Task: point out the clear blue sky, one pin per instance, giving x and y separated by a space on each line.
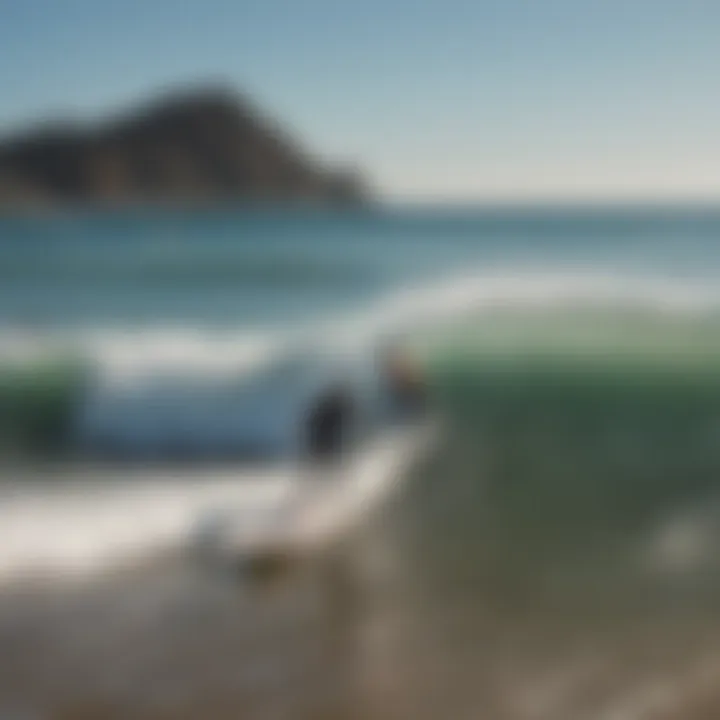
441 99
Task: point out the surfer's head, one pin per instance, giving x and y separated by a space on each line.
398 366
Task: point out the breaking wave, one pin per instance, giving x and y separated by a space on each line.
498 346
566 314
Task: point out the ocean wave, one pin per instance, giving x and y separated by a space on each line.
514 320
522 304
530 289
598 395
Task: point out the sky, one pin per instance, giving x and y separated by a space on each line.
457 100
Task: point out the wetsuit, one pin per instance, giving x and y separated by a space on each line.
328 425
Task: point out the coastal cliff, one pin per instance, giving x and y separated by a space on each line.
204 145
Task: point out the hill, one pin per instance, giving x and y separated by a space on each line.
202 145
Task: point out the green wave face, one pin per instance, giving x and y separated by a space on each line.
37 403
576 431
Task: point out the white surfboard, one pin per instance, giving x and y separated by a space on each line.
322 504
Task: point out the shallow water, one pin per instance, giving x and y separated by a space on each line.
551 560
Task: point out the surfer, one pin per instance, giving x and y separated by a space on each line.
329 424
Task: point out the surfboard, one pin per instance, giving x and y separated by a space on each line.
323 504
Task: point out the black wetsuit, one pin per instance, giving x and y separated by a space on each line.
328 425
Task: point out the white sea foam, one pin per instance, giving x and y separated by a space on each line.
129 350
572 289
52 527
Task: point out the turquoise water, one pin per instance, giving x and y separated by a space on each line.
253 268
579 349
514 291
556 558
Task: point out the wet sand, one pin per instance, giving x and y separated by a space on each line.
423 615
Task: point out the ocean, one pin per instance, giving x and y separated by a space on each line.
555 558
